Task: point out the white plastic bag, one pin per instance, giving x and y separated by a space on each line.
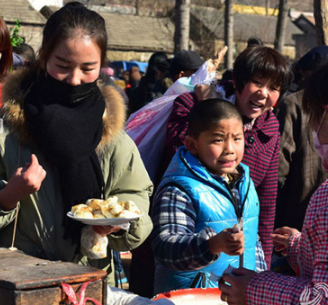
93 245
186 84
116 296
147 126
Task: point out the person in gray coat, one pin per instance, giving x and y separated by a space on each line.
300 170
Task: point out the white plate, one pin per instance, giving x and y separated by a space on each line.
103 221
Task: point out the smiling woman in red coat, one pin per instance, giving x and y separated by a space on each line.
261 76
307 252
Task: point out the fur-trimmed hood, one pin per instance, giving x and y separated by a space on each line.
17 85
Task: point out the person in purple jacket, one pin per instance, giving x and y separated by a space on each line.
261 76
307 251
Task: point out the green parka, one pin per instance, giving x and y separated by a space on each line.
40 227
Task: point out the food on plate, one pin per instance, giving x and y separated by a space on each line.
130 206
127 214
109 208
94 204
82 211
97 214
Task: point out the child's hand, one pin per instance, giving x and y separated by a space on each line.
228 242
280 238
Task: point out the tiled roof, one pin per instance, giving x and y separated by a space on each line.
21 10
311 19
304 5
271 3
138 33
245 25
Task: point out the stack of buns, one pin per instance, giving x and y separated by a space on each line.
109 208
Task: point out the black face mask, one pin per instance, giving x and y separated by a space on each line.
66 123
64 93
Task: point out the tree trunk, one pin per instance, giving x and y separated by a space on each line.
137 7
228 33
267 6
321 21
182 25
281 25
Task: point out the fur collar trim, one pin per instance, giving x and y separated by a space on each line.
17 85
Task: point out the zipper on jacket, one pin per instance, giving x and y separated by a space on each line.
239 211
232 196
233 199
243 203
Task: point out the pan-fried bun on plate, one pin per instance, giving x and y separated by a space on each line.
131 207
127 214
111 209
98 214
82 211
95 204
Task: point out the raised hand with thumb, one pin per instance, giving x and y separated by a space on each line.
25 181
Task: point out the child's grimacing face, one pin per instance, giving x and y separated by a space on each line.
221 148
75 61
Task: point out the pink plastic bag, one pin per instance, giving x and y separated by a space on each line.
147 126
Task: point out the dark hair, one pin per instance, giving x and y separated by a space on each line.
227 75
204 114
185 60
315 95
26 51
158 61
263 62
71 20
6 60
253 41
314 58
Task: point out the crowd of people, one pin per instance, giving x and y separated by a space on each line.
242 183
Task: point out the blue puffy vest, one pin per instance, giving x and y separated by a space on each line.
214 206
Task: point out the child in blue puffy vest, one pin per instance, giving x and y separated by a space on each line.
203 194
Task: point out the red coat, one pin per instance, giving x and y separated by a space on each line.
308 255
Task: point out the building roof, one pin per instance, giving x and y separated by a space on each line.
245 25
138 33
306 23
21 10
272 3
304 5
255 10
